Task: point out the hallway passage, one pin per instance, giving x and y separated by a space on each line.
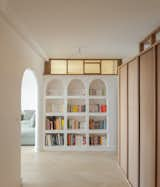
70 169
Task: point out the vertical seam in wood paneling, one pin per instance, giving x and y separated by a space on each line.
119 118
139 121
156 110
127 128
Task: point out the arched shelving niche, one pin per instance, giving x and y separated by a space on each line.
55 87
97 88
76 88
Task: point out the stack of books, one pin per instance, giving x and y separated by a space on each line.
97 124
54 123
75 124
97 108
76 139
54 139
76 108
97 139
96 92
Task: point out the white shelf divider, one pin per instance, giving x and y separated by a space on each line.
63 84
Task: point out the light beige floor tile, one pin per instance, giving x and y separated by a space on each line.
70 169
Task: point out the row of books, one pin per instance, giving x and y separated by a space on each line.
76 108
98 108
97 124
54 123
54 139
76 139
97 140
55 107
75 124
97 92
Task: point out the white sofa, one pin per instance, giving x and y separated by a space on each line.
28 127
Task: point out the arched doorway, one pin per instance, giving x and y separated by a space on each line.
28 108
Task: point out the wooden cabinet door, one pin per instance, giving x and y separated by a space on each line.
158 115
123 118
133 122
147 119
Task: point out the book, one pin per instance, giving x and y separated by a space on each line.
76 139
97 108
76 108
97 139
54 123
54 139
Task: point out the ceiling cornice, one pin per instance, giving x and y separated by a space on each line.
19 28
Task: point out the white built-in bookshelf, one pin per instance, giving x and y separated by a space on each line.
80 112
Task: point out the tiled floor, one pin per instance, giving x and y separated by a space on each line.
70 169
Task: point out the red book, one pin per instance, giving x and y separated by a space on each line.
103 108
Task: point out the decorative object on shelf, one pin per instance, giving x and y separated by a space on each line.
150 40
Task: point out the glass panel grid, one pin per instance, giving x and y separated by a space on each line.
109 66
92 68
81 66
75 66
58 67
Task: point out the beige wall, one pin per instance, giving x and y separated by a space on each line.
15 57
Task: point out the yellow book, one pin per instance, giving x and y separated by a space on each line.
62 124
74 108
101 141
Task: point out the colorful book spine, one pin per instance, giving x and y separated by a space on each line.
76 108
54 123
98 108
54 139
75 124
97 124
97 140
76 139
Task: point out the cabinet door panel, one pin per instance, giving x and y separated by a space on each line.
123 119
147 119
133 122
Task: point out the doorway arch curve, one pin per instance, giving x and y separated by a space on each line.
29 102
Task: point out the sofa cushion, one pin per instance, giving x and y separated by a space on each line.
28 118
27 114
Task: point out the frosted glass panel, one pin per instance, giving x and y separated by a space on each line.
58 67
75 66
109 66
158 36
92 68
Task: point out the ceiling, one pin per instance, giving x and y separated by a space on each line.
85 28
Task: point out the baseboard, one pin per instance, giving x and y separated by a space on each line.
124 176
